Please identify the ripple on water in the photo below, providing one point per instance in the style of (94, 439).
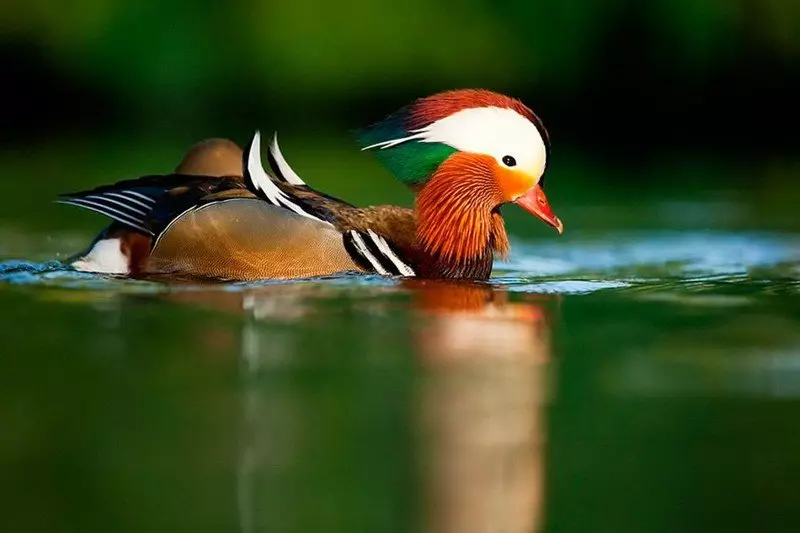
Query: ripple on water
(655, 262)
(671, 253)
(55, 273)
(640, 261)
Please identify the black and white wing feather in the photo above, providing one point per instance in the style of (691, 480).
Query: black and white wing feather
(131, 207)
(264, 186)
(149, 203)
(283, 171)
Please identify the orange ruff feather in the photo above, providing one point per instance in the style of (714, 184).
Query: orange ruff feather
(455, 218)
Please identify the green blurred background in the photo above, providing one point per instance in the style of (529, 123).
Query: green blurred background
(657, 74)
(675, 95)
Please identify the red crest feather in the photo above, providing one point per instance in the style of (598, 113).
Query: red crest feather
(432, 108)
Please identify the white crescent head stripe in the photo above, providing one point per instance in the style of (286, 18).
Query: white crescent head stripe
(418, 134)
(489, 130)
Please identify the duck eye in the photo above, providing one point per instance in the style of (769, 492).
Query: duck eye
(509, 161)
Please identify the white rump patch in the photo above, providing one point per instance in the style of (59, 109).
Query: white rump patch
(105, 257)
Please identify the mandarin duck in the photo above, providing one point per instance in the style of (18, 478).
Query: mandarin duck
(221, 215)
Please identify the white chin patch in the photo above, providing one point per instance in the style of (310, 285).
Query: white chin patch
(105, 257)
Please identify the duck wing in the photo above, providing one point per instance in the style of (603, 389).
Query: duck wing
(148, 204)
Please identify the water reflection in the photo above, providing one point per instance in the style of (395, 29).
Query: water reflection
(478, 395)
(481, 416)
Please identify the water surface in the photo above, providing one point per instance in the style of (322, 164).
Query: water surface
(634, 375)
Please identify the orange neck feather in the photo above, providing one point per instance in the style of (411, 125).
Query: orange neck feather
(456, 217)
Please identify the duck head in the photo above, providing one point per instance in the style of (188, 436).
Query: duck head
(466, 153)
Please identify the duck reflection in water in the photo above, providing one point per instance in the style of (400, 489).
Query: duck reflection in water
(478, 397)
(480, 404)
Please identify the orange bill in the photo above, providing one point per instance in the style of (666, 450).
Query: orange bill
(535, 202)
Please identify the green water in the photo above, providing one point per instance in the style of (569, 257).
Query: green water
(640, 373)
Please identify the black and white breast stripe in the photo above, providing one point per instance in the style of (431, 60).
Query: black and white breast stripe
(260, 183)
(126, 206)
(374, 253)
